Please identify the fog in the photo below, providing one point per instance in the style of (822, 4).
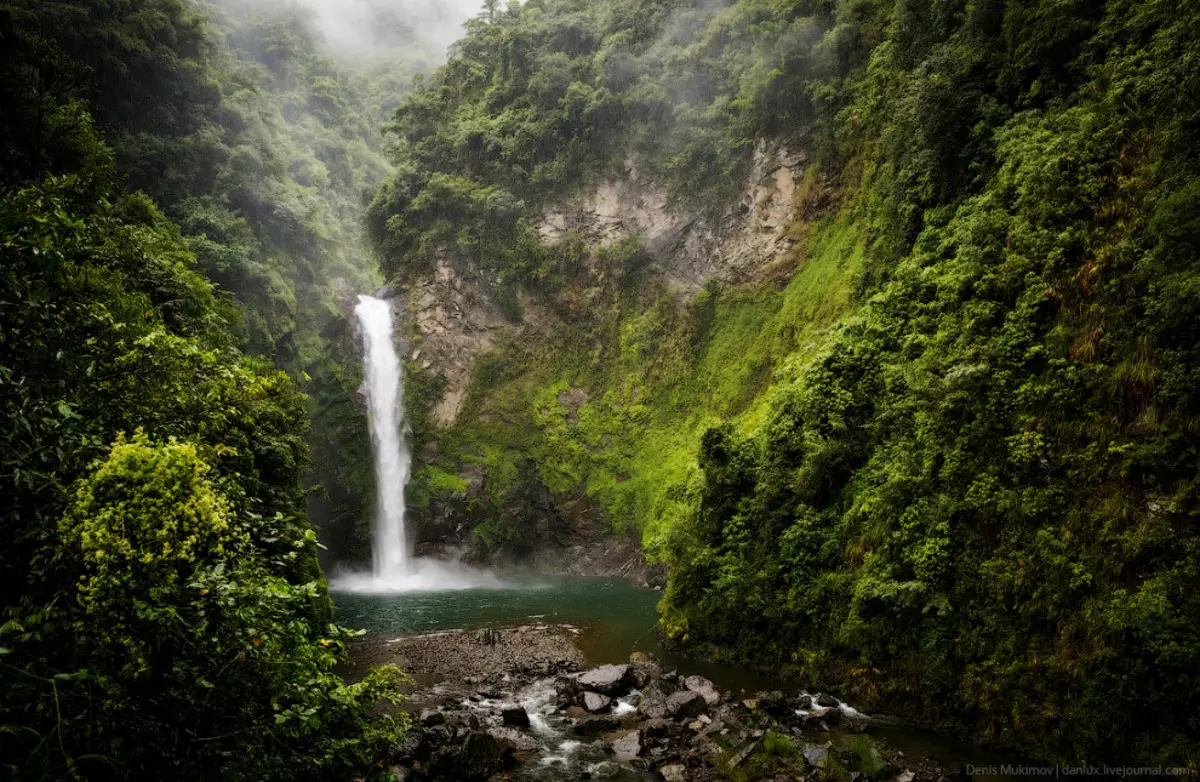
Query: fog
(361, 29)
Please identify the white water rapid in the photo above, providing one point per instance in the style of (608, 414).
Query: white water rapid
(384, 378)
(394, 569)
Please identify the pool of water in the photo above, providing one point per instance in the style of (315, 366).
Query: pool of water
(615, 616)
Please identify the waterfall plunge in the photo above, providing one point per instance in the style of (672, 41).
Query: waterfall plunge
(394, 568)
(385, 399)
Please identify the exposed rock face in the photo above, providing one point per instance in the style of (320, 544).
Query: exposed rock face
(691, 248)
(456, 319)
(455, 315)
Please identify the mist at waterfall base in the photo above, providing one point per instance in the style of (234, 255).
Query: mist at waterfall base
(394, 569)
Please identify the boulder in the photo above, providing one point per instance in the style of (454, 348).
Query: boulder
(482, 755)
(594, 702)
(704, 688)
(654, 699)
(431, 717)
(628, 746)
(590, 726)
(515, 717)
(827, 701)
(685, 705)
(607, 679)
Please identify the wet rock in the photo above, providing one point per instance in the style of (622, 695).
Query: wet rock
(821, 719)
(685, 705)
(656, 728)
(482, 755)
(605, 770)
(675, 772)
(644, 668)
(594, 701)
(515, 716)
(773, 703)
(628, 746)
(416, 746)
(801, 702)
(827, 701)
(576, 712)
(521, 742)
(431, 717)
(590, 726)
(654, 699)
(704, 688)
(607, 679)
(817, 757)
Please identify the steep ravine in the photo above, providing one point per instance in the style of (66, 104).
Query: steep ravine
(457, 313)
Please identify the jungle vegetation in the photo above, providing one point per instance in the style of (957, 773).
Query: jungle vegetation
(950, 460)
(182, 188)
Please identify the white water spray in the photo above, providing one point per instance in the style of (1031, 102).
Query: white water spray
(385, 399)
(394, 568)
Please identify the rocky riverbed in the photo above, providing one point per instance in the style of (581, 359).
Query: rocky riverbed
(518, 704)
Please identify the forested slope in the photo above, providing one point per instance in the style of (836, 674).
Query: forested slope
(179, 202)
(944, 448)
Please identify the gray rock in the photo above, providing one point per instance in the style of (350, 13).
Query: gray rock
(685, 705)
(628, 746)
(515, 716)
(656, 728)
(827, 701)
(431, 717)
(674, 773)
(704, 688)
(607, 679)
(654, 699)
(605, 770)
(594, 701)
(400, 773)
(483, 755)
(817, 757)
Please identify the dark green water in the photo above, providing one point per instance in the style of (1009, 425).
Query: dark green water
(615, 617)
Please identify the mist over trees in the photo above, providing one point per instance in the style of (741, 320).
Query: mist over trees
(944, 454)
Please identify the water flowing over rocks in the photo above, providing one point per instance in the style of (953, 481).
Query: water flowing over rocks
(516, 704)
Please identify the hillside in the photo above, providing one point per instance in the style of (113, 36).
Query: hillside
(870, 320)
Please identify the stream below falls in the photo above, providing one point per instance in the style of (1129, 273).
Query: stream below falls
(609, 619)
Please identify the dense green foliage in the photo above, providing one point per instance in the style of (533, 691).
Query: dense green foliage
(953, 461)
(164, 612)
(543, 94)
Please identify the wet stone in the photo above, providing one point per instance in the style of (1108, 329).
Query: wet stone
(628, 746)
(515, 717)
(607, 679)
(594, 701)
(685, 705)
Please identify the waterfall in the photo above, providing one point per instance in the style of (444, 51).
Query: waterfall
(384, 380)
